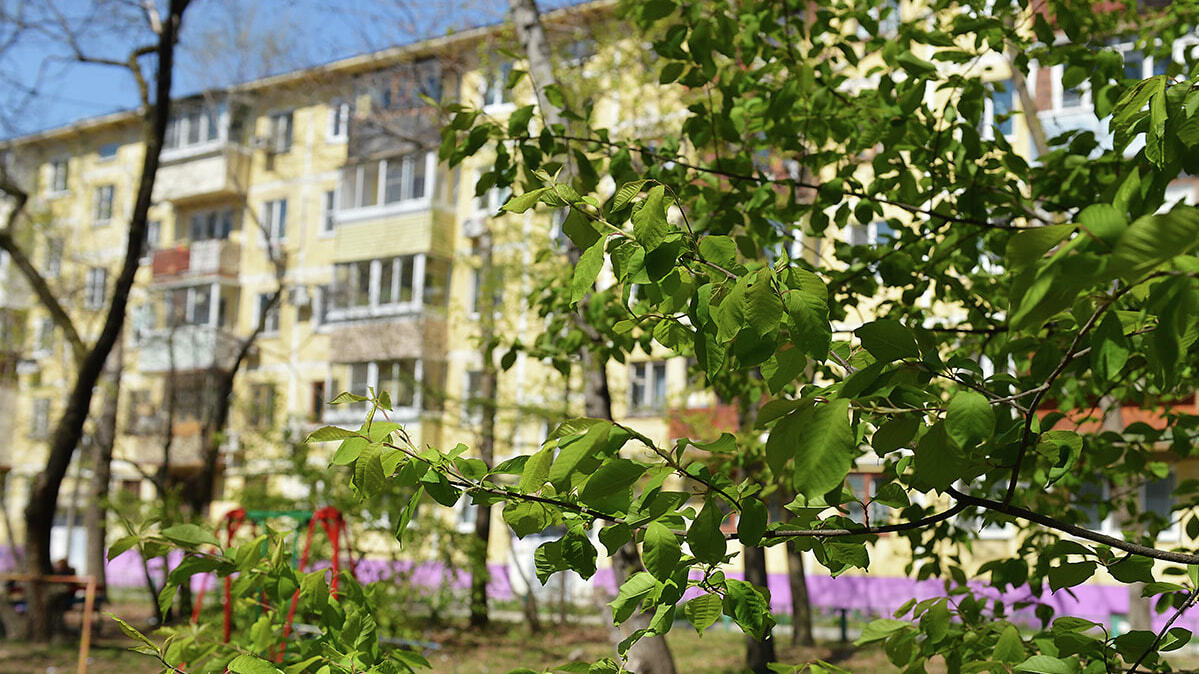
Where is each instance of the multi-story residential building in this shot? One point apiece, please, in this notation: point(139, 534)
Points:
point(324, 185)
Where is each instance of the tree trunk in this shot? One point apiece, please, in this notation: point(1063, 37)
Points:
point(651, 654)
point(801, 607)
point(758, 654)
point(106, 433)
point(43, 497)
point(488, 397)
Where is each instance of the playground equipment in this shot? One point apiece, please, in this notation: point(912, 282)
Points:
point(330, 520)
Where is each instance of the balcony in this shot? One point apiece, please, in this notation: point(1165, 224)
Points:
point(209, 170)
point(387, 231)
point(424, 337)
point(214, 257)
point(186, 348)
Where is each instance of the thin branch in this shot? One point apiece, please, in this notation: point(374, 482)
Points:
point(1190, 601)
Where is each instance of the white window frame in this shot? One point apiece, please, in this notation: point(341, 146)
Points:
point(52, 264)
point(328, 212)
point(274, 220)
point(175, 143)
point(270, 327)
point(347, 204)
point(471, 415)
point(280, 131)
point(219, 215)
point(353, 414)
point(1055, 79)
point(152, 241)
point(871, 230)
point(43, 337)
point(988, 121)
point(649, 380)
point(374, 306)
point(39, 418)
point(103, 199)
point(60, 171)
point(337, 129)
point(95, 288)
point(191, 301)
point(496, 95)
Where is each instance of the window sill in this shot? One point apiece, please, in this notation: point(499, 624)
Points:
point(102, 223)
point(194, 151)
point(409, 310)
point(337, 140)
point(56, 194)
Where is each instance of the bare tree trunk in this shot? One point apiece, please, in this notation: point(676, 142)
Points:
point(801, 606)
point(106, 433)
point(488, 396)
point(43, 497)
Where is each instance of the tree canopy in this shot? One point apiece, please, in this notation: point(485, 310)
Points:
point(842, 235)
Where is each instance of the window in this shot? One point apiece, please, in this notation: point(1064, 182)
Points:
point(102, 204)
point(472, 402)
point(43, 337)
point(339, 121)
point(279, 132)
point(194, 123)
point(437, 280)
point(403, 87)
point(1158, 497)
point(95, 288)
point(270, 324)
point(58, 176)
point(1068, 98)
point(389, 283)
point(108, 151)
point(496, 91)
point(262, 405)
point(876, 233)
point(52, 264)
point(153, 239)
point(864, 487)
point(328, 209)
point(1089, 500)
point(317, 402)
point(388, 181)
point(491, 200)
point(206, 225)
point(399, 378)
point(39, 419)
point(193, 306)
point(647, 385)
point(997, 110)
point(274, 220)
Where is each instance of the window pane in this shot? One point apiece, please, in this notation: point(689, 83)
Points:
point(386, 278)
point(1159, 496)
point(437, 272)
point(359, 382)
point(362, 284)
point(407, 265)
point(1001, 100)
point(418, 177)
point(659, 384)
point(394, 189)
point(200, 305)
point(349, 186)
point(370, 184)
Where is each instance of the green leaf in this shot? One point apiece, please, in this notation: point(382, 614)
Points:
point(586, 271)
point(748, 608)
point(251, 664)
point(888, 340)
point(969, 420)
point(1153, 240)
point(1109, 348)
point(614, 476)
point(631, 592)
point(703, 611)
point(368, 470)
point(1027, 246)
point(751, 523)
point(763, 309)
point(537, 470)
point(821, 442)
point(704, 536)
point(626, 193)
point(1009, 648)
point(877, 630)
point(649, 221)
point(661, 551)
point(121, 545)
point(719, 250)
point(329, 433)
point(189, 535)
point(1068, 447)
point(1045, 664)
point(1070, 574)
point(527, 517)
point(345, 398)
point(575, 450)
point(524, 202)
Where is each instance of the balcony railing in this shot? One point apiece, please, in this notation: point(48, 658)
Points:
point(215, 257)
point(186, 348)
point(203, 171)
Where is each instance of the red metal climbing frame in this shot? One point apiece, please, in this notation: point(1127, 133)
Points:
point(330, 520)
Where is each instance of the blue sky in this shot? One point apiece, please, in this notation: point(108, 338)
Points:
point(222, 41)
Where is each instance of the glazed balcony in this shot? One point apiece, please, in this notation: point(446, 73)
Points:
point(186, 348)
